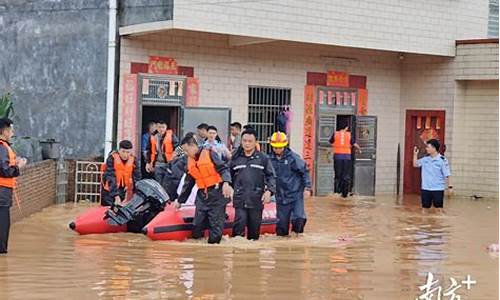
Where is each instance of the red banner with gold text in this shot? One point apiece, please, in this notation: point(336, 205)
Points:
point(309, 127)
point(128, 128)
point(192, 92)
point(338, 79)
point(162, 65)
point(362, 102)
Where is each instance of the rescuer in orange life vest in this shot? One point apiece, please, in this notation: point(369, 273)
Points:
point(160, 150)
point(119, 175)
point(342, 142)
point(9, 169)
point(210, 173)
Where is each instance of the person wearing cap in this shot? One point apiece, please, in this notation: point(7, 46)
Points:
point(119, 175)
point(342, 142)
point(293, 184)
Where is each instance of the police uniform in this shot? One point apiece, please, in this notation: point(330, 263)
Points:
point(342, 142)
point(8, 172)
point(118, 178)
point(209, 173)
point(160, 151)
point(252, 176)
point(435, 170)
point(292, 178)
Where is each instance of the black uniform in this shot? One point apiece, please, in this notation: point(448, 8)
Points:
point(252, 176)
point(174, 170)
point(108, 198)
point(6, 170)
point(210, 203)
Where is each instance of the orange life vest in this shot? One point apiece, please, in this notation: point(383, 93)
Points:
point(123, 172)
point(203, 170)
point(167, 147)
point(9, 182)
point(342, 143)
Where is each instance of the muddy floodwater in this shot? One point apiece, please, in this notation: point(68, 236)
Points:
point(386, 250)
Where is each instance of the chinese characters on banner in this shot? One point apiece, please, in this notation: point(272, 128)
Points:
point(162, 65)
point(192, 92)
point(338, 79)
point(362, 102)
point(309, 127)
point(128, 110)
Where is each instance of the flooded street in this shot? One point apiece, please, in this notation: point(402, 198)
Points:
point(387, 251)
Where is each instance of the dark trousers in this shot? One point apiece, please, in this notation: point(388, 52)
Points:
point(4, 228)
point(108, 200)
point(160, 172)
point(251, 218)
point(293, 212)
point(145, 174)
point(210, 212)
point(342, 168)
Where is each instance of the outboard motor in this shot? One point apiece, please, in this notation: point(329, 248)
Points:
point(150, 198)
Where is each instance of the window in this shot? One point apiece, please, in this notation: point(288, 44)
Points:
point(264, 105)
point(493, 19)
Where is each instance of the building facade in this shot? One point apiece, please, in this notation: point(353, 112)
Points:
point(423, 70)
point(399, 71)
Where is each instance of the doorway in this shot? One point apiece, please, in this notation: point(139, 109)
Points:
point(169, 114)
point(420, 126)
point(345, 120)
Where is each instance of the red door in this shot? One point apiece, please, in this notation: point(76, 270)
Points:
point(420, 126)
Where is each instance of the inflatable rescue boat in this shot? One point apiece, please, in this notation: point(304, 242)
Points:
point(148, 212)
point(177, 224)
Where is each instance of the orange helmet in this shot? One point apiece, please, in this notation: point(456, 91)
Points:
point(279, 140)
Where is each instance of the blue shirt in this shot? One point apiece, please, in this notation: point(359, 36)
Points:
point(434, 172)
point(219, 147)
point(144, 141)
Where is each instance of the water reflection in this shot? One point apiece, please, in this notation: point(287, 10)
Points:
point(387, 248)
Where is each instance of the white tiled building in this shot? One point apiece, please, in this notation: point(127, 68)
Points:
point(416, 56)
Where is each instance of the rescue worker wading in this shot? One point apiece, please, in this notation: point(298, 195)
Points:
point(213, 179)
point(9, 169)
point(293, 184)
point(254, 183)
point(160, 150)
point(342, 141)
point(119, 175)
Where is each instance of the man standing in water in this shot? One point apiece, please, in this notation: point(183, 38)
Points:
point(9, 169)
point(435, 176)
point(293, 184)
point(254, 183)
point(119, 175)
point(207, 170)
point(342, 142)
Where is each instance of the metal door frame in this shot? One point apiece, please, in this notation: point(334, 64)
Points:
point(229, 109)
point(361, 160)
point(335, 111)
point(180, 105)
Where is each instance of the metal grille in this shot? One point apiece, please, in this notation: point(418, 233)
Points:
point(493, 19)
point(163, 91)
point(264, 104)
point(88, 181)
